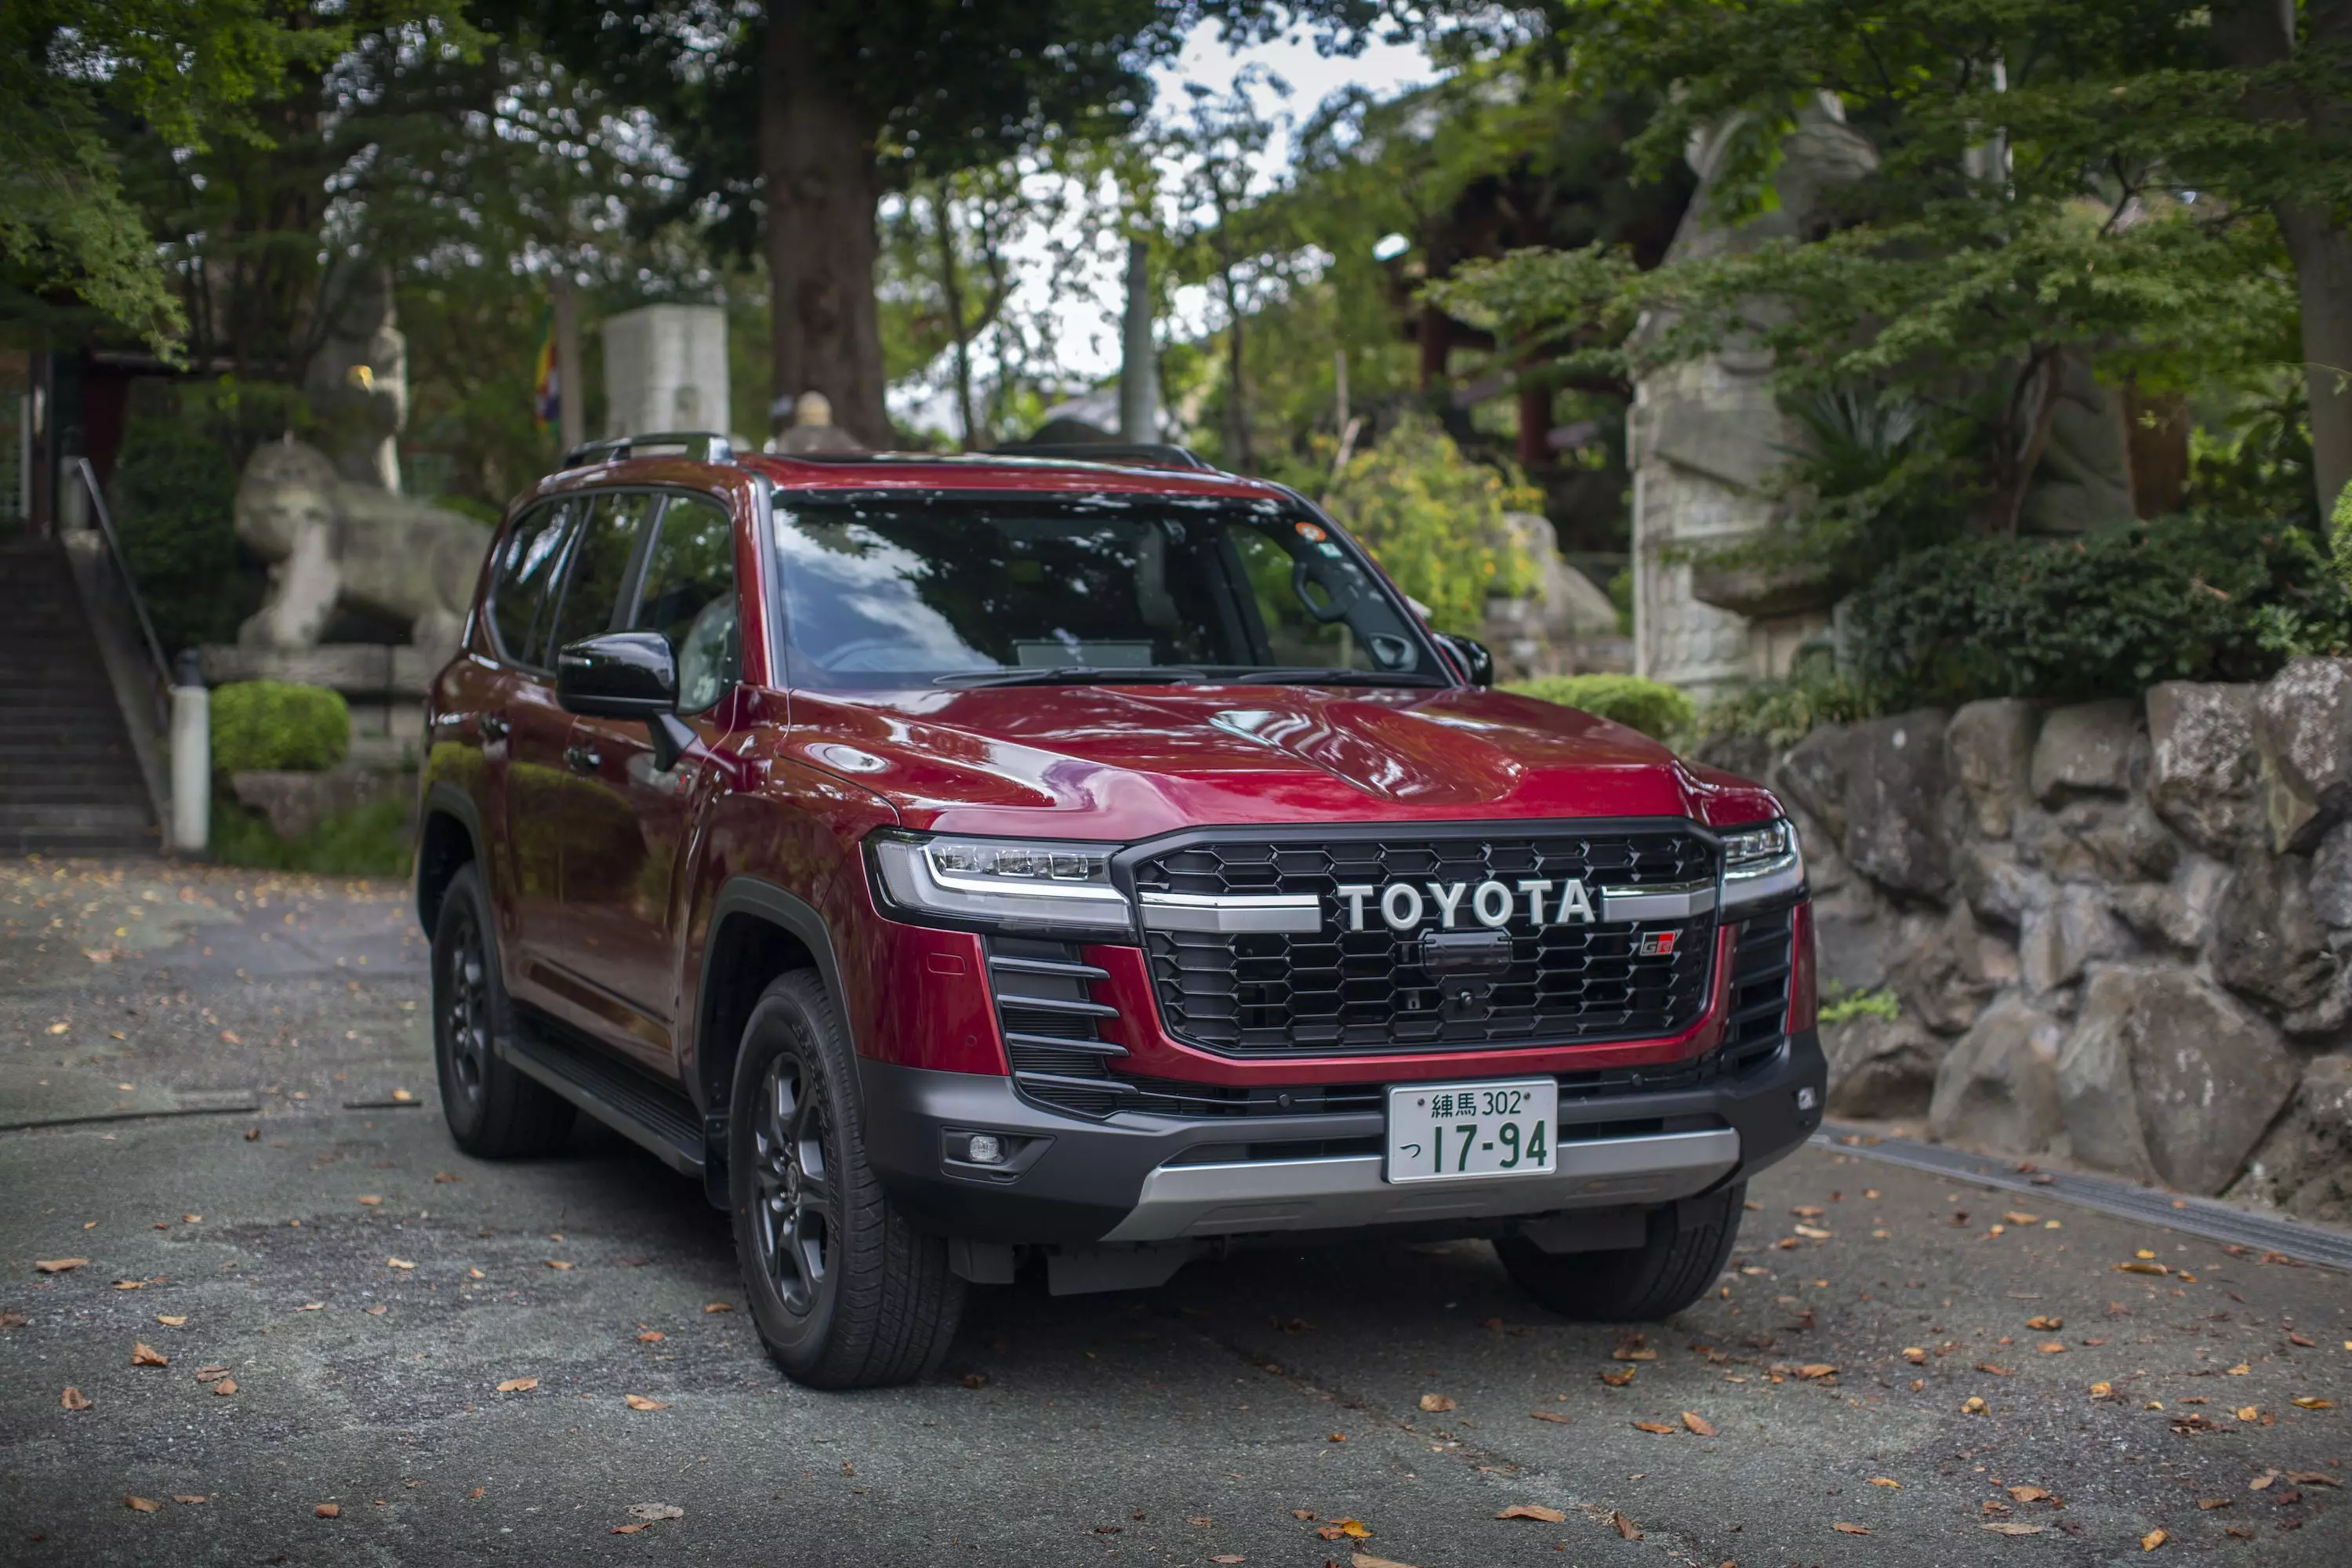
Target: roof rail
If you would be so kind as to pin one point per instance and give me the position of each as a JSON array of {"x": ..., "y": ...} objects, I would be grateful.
[
  {"x": 1126, "y": 454},
  {"x": 707, "y": 446}
]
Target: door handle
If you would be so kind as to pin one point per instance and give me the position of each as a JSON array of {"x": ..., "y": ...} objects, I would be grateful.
[
  {"x": 582, "y": 759},
  {"x": 494, "y": 727}
]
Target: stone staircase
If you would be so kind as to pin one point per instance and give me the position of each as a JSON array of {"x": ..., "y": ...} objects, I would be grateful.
[{"x": 69, "y": 781}]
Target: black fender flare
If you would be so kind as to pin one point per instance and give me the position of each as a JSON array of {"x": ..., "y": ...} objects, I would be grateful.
[{"x": 445, "y": 798}]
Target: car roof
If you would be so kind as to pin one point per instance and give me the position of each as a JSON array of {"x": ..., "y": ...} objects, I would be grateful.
[{"x": 1056, "y": 474}]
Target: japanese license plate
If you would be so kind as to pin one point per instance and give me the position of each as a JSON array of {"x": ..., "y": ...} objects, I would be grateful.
[{"x": 1452, "y": 1131}]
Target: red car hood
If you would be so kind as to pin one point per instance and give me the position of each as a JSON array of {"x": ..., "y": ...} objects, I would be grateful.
[{"x": 1115, "y": 762}]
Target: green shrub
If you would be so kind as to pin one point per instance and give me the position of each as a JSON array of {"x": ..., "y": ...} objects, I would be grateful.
[
  {"x": 372, "y": 841},
  {"x": 1782, "y": 712},
  {"x": 1840, "y": 1002},
  {"x": 1434, "y": 519},
  {"x": 2194, "y": 597},
  {"x": 1652, "y": 707},
  {"x": 269, "y": 724},
  {"x": 176, "y": 491}
]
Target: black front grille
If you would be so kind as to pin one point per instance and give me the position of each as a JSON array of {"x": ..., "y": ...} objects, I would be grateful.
[{"x": 1345, "y": 990}]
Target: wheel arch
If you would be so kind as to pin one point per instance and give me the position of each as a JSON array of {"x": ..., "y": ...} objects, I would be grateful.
[
  {"x": 449, "y": 839},
  {"x": 757, "y": 932}
]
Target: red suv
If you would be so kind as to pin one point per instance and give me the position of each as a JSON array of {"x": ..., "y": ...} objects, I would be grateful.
[{"x": 963, "y": 864}]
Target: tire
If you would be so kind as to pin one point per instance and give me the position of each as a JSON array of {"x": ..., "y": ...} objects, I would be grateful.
[
  {"x": 846, "y": 1291},
  {"x": 1674, "y": 1268},
  {"x": 494, "y": 1113}
]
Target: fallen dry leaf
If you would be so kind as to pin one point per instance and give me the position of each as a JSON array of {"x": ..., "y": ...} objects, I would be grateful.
[
  {"x": 311, "y": 1307},
  {"x": 557, "y": 1264},
  {"x": 639, "y": 1402},
  {"x": 631, "y": 1529},
  {"x": 2209, "y": 1504},
  {"x": 447, "y": 1176},
  {"x": 1817, "y": 1369},
  {"x": 191, "y": 1496},
  {"x": 1844, "y": 1529},
  {"x": 1618, "y": 1379},
  {"x": 1887, "y": 1481},
  {"x": 328, "y": 1510},
  {"x": 1229, "y": 1558},
  {"x": 378, "y": 1310},
  {"x": 2103, "y": 1391},
  {"x": 171, "y": 1323},
  {"x": 518, "y": 1385},
  {"x": 1547, "y": 1415},
  {"x": 2051, "y": 1347},
  {"x": 1698, "y": 1424},
  {"x": 1302, "y": 1513},
  {"x": 371, "y": 1200},
  {"x": 2047, "y": 1325},
  {"x": 399, "y": 1263},
  {"x": 651, "y": 1337},
  {"x": 1995, "y": 1370},
  {"x": 1533, "y": 1511},
  {"x": 58, "y": 1264},
  {"x": 2263, "y": 1481},
  {"x": 144, "y": 1354},
  {"x": 2153, "y": 1539},
  {"x": 207, "y": 1373},
  {"x": 2308, "y": 1401},
  {"x": 2250, "y": 1413},
  {"x": 130, "y": 1284},
  {"x": 2027, "y": 1494},
  {"x": 718, "y": 1306},
  {"x": 2240, "y": 1370},
  {"x": 1625, "y": 1527},
  {"x": 1353, "y": 1528},
  {"x": 2140, "y": 1268},
  {"x": 2305, "y": 1341},
  {"x": 226, "y": 1387},
  {"x": 1916, "y": 1356},
  {"x": 142, "y": 1504},
  {"x": 1973, "y": 1405},
  {"x": 1633, "y": 1347},
  {"x": 1811, "y": 1233},
  {"x": 1652, "y": 1427},
  {"x": 1437, "y": 1404},
  {"x": 655, "y": 1512},
  {"x": 74, "y": 1398},
  {"x": 2007, "y": 1527}
]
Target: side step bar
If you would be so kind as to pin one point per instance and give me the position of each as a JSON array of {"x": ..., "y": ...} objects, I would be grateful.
[{"x": 648, "y": 1113}]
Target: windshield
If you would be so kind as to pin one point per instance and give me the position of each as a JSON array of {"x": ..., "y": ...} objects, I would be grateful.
[{"x": 889, "y": 591}]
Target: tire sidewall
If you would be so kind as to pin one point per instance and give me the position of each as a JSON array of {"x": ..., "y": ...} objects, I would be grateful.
[
  {"x": 460, "y": 900},
  {"x": 782, "y": 1025}
]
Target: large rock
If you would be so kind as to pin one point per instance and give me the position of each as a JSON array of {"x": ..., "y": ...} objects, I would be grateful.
[
  {"x": 1856, "y": 937},
  {"x": 1880, "y": 1067},
  {"x": 2057, "y": 943},
  {"x": 2178, "y": 913},
  {"x": 1813, "y": 774},
  {"x": 1997, "y": 888},
  {"x": 2331, "y": 877},
  {"x": 297, "y": 803},
  {"x": 2167, "y": 1076},
  {"x": 1989, "y": 754},
  {"x": 1825, "y": 867},
  {"x": 2303, "y": 732},
  {"x": 1948, "y": 969},
  {"x": 2270, "y": 946},
  {"x": 2304, "y": 1166},
  {"x": 1998, "y": 1088},
  {"x": 2202, "y": 765},
  {"x": 1893, "y": 802},
  {"x": 2087, "y": 747},
  {"x": 2091, "y": 839}
]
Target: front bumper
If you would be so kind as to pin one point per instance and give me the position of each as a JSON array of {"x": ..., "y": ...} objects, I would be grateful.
[{"x": 1135, "y": 1177}]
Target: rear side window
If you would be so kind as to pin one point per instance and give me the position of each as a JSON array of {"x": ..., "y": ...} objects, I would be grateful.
[
  {"x": 690, "y": 599},
  {"x": 600, "y": 564},
  {"x": 520, "y": 592}
]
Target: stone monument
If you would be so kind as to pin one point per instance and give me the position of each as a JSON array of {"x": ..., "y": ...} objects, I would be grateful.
[
  {"x": 812, "y": 429},
  {"x": 357, "y": 384},
  {"x": 665, "y": 369}
]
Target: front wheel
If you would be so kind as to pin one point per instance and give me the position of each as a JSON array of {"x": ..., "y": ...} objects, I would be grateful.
[
  {"x": 845, "y": 1292},
  {"x": 1673, "y": 1268}
]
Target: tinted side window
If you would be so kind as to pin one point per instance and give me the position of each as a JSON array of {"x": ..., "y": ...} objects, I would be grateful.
[
  {"x": 518, "y": 593},
  {"x": 600, "y": 565},
  {"x": 690, "y": 599}
]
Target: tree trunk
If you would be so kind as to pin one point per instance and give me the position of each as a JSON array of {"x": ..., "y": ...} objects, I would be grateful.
[
  {"x": 817, "y": 162},
  {"x": 2253, "y": 33},
  {"x": 951, "y": 294},
  {"x": 1240, "y": 459},
  {"x": 2156, "y": 434}
]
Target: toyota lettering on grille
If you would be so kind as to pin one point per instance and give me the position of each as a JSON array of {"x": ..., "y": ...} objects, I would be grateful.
[{"x": 1401, "y": 907}]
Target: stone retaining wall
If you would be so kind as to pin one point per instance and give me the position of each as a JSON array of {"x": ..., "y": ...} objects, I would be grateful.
[{"x": 2119, "y": 932}]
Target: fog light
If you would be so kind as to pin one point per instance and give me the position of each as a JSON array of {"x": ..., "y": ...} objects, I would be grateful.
[
  {"x": 987, "y": 1149},
  {"x": 1806, "y": 1100}
]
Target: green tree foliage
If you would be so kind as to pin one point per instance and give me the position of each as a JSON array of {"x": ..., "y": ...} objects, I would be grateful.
[
  {"x": 78, "y": 77},
  {"x": 2085, "y": 178},
  {"x": 1434, "y": 521},
  {"x": 1655, "y": 709},
  {"x": 263, "y": 725},
  {"x": 174, "y": 493}
]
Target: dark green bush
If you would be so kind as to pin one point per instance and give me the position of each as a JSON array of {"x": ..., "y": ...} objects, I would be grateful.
[
  {"x": 174, "y": 493},
  {"x": 372, "y": 841},
  {"x": 2194, "y": 597},
  {"x": 269, "y": 724},
  {"x": 1652, "y": 707}
]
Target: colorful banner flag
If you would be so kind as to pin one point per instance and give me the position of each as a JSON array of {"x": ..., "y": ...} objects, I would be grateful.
[{"x": 546, "y": 382}]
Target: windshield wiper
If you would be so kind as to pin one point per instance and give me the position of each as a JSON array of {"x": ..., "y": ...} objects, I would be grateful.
[
  {"x": 1074, "y": 675},
  {"x": 1309, "y": 676}
]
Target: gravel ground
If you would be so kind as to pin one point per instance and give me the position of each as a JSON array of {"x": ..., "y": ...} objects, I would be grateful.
[{"x": 366, "y": 1289}]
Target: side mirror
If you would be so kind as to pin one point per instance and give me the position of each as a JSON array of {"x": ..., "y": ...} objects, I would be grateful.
[
  {"x": 625, "y": 674},
  {"x": 1472, "y": 656}
]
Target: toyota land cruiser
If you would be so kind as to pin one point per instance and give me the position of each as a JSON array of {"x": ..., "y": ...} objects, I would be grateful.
[{"x": 969, "y": 864}]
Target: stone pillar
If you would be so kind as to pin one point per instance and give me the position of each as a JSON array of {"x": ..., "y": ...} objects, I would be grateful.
[
  {"x": 665, "y": 369},
  {"x": 191, "y": 768}
]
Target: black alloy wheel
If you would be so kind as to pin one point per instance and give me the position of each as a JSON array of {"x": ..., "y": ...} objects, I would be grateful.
[{"x": 796, "y": 1211}]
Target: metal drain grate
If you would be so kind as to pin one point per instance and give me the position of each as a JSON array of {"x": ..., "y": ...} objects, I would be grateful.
[{"x": 2195, "y": 1217}]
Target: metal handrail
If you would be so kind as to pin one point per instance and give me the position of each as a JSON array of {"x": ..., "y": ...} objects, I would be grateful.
[{"x": 121, "y": 564}]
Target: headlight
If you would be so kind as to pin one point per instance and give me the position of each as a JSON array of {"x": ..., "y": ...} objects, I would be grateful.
[
  {"x": 1760, "y": 863},
  {"x": 1000, "y": 882}
]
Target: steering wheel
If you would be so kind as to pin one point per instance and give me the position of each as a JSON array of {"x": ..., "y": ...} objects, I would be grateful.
[{"x": 1340, "y": 604}]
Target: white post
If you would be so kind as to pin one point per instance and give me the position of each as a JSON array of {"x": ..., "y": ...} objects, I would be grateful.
[{"x": 191, "y": 768}]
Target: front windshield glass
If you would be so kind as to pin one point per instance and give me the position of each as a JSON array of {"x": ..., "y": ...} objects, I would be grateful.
[{"x": 889, "y": 590}]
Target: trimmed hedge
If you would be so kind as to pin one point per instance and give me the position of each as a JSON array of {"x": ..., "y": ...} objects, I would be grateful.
[
  {"x": 268, "y": 725},
  {"x": 1653, "y": 707}
]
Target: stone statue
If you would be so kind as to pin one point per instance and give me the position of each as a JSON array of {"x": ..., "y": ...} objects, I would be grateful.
[
  {"x": 330, "y": 541},
  {"x": 812, "y": 429},
  {"x": 357, "y": 384},
  {"x": 1703, "y": 433}
]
